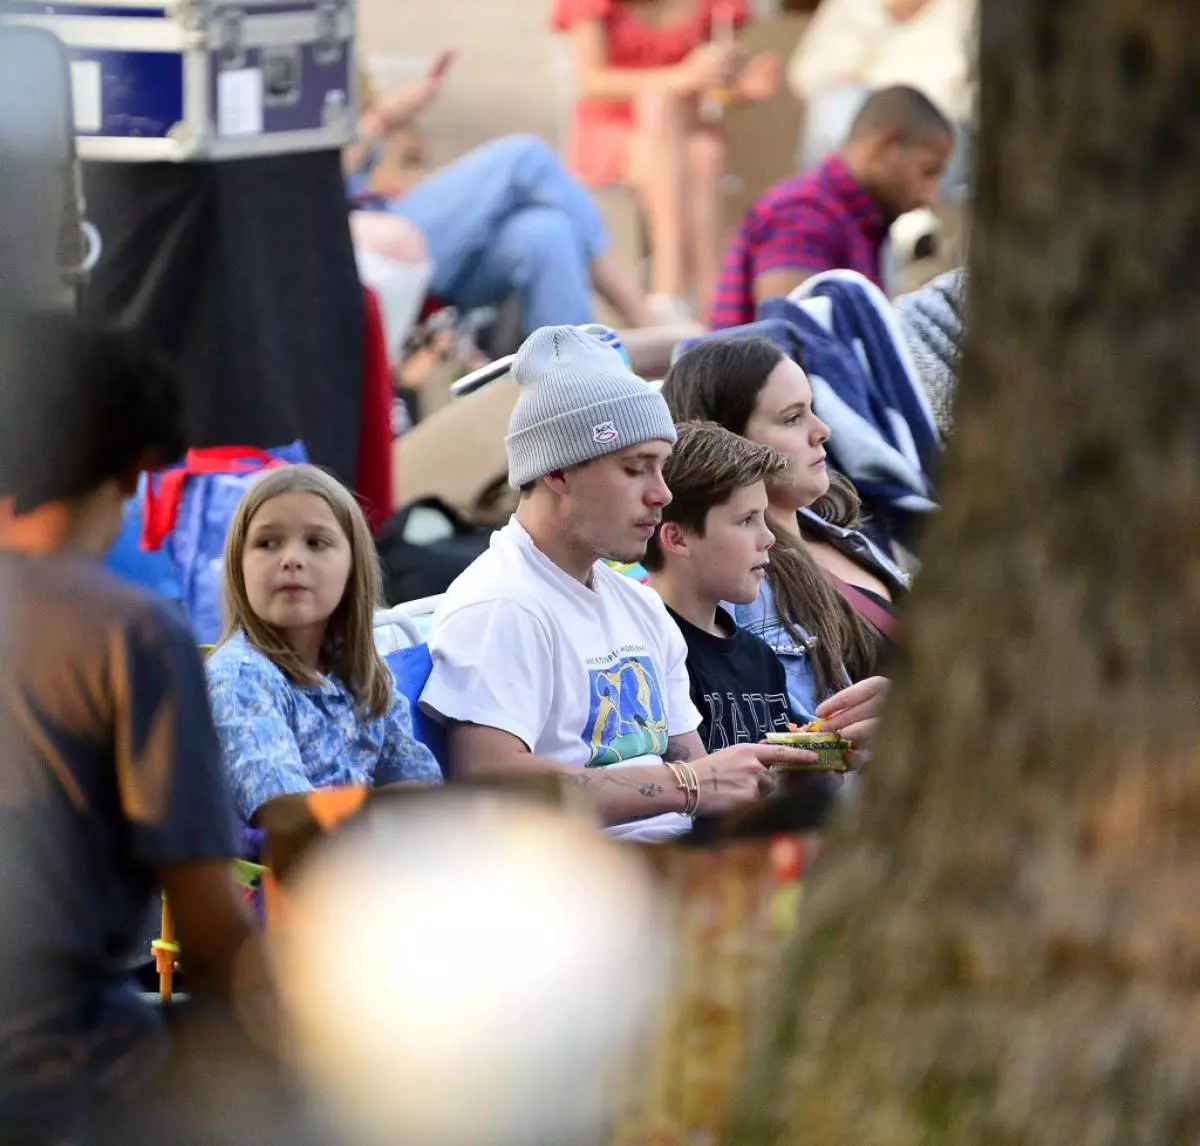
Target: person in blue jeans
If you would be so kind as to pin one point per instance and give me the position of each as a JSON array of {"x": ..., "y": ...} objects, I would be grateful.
[{"x": 505, "y": 219}]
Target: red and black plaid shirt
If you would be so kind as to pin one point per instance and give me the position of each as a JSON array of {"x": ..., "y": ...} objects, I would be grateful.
[{"x": 822, "y": 220}]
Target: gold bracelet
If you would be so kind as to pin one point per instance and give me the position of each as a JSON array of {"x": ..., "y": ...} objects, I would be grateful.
[
  {"x": 668, "y": 764},
  {"x": 689, "y": 784},
  {"x": 681, "y": 782},
  {"x": 693, "y": 778}
]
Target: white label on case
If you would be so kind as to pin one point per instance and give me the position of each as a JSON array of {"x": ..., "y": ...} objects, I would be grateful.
[
  {"x": 85, "y": 96},
  {"x": 240, "y": 102}
]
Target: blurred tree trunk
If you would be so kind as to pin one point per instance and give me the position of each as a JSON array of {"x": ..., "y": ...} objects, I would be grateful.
[{"x": 1003, "y": 946}]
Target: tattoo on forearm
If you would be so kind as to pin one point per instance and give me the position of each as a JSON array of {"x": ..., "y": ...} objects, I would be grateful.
[
  {"x": 676, "y": 752},
  {"x": 595, "y": 777}
]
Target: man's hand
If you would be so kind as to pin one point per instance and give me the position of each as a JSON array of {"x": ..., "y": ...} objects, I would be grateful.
[
  {"x": 854, "y": 712},
  {"x": 759, "y": 79},
  {"x": 738, "y": 775}
]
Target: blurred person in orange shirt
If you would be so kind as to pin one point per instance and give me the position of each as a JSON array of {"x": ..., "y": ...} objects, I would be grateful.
[{"x": 110, "y": 771}]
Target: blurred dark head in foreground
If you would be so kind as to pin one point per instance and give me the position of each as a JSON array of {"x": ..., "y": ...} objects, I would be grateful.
[
  {"x": 111, "y": 781},
  {"x": 82, "y": 410}
]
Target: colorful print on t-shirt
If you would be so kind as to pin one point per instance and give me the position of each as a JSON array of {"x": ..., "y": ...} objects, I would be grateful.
[{"x": 626, "y": 713}]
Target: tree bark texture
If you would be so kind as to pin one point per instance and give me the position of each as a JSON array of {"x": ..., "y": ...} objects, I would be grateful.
[{"x": 1002, "y": 945}]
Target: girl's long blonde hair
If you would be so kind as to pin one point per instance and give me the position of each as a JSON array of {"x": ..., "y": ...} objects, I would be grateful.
[{"x": 348, "y": 651}]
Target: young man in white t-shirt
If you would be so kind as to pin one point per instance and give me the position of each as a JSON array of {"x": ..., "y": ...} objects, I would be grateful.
[{"x": 545, "y": 659}]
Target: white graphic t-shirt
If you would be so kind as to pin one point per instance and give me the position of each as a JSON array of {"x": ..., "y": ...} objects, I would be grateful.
[{"x": 594, "y": 676}]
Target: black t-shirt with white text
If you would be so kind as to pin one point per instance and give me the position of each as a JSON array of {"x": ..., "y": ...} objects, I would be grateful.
[
  {"x": 740, "y": 688},
  {"x": 737, "y": 684}
]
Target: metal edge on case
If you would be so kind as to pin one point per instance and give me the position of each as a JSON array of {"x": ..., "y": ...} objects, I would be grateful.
[
  {"x": 280, "y": 143},
  {"x": 197, "y": 109}
]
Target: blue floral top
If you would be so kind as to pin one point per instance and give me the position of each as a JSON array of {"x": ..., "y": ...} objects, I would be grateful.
[{"x": 281, "y": 738}]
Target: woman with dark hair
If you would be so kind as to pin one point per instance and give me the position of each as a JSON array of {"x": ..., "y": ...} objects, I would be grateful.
[{"x": 827, "y": 604}]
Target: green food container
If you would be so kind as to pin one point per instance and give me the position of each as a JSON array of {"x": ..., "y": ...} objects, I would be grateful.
[{"x": 830, "y": 748}]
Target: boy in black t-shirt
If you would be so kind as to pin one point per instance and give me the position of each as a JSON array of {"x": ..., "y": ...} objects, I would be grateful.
[
  {"x": 713, "y": 545},
  {"x": 110, "y": 773}
]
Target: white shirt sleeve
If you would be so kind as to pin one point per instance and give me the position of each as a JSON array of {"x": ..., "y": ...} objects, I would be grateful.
[
  {"x": 492, "y": 665},
  {"x": 682, "y": 714}
]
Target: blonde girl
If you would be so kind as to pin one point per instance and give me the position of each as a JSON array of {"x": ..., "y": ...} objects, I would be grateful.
[{"x": 300, "y": 696}]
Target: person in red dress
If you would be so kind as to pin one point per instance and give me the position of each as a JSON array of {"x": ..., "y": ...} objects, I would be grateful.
[{"x": 651, "y": 78}]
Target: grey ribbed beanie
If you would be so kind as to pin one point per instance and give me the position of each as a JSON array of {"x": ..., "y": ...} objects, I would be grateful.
[{"x": 576, "y": 400}]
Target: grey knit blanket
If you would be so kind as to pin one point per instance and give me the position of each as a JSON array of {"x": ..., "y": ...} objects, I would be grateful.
[{"x": 932, "y": 320}]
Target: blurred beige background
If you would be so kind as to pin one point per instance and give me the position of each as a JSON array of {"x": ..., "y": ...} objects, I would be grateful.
[{"x": 503, "y": 79}]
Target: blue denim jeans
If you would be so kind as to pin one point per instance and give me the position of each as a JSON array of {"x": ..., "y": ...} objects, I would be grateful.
[
  {"x": 507, "y": 218},
  {"x": 762, "y": 619}
]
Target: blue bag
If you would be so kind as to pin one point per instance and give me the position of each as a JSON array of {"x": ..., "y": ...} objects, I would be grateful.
[
  {"x": 187, "y": 513},
  {"x": 130, "y": 562}
]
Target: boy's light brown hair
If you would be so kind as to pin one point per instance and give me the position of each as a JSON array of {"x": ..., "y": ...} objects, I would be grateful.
[{"x": 708, "y": 465}]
